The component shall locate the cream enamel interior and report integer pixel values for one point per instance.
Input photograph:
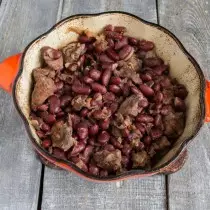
(167, 48)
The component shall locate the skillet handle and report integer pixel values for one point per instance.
(8, 70)
(207, 101)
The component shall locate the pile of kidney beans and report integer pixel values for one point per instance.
(107, 103)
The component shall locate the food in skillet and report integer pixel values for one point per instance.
(107, 103)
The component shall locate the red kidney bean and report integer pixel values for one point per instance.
(146, 45)
(46, 143)
(179, 104)
(125, 132)
(165, 83)
(146, 77)
(103, 137)
(54, 104)
(126, 150)
(84, 112)
(79, 147)
(112, 54)
(109, 28)
(147, 91)
(98, 88)
(133, 41)
(126, 52)
(104, 124)
(114, 89)
(93, 130)
(140, 146)
(87, 153)
(105, 59)
(67, 89)
(82, 130)
(144, 118)
(125, 161)
(158, 120)
(121, 43)
(110, 66)
(180, 91)
(156, 133)
(40, 134)
(59, 153)
(109, 96)
(94, 170)
(126, 89)
(159, 70)
(152, 62)
(109, 147)
(113, 35)
(135, 90)
(75, 120)
(110, 42)
(156, 87)
(115, 80)
(91, 141)
(43, 107)
(48, 118)
(140, 127)
(158, 97)
(106, 77)
(120, 29)
(60, 114)
(59, 85)
(103, 173)
(95, 74)
(84, 39)
(81, 88)
(116, 143)
(147, 140)
(88, 80)
(65, 100)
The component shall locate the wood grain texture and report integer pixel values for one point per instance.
(20, 22)
(190, 21)
(63, 190)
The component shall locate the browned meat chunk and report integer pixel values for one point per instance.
(122, 122)
(44, 88)
(110, 161)
(140, 159)
(130, 106)
(168, 96)
(53, 58)
(40, 72)
(79, 101)
(61, 134)
(174, 124)
(103, 114)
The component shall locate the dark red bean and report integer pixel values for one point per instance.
(179, 104)
(110, 42)
(65, 100)
(109, 27)
(91, 141)
(144, 118)
(95, 74)
(147, 140)
(43, 107)
(114, 89)
(126, 150)
(181, 92)
(112, 54)
(94, 170)
(109, 147)
(116, 143)
(121, 43)
(158, 120)
(48, 118)
(140, 127)
(108, 96)
(82, 130)
(126, 52)
(115, 80)
(59, 85)
(156, 87)
(105, 59)
(125, 161)
(156, 133)
(104, 124)
(125, 132)
(46, 143)
(103, 173)
(85, 39)
(59, 153)
(54, 104)
(135, 90)
(79, 147)
(146, 77)
(93, 130)
(87, 153)
(165, 83)
(81, 88)
(126, 89)
(110, 66)
(67, 89)
(98, 88)
(120, 29)
(113, 35)
(88, 80)
(133, 41)
(158, 97)
(152, 62)
(60, 114)
(40, 134)
(103, 137)
(84, 112)
(75, 120)
(147, 91)
(106, 77)
(146, 45)
(159, 70)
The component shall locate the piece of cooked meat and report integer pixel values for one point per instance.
(140, 159)
(40, 72)
(79, 101)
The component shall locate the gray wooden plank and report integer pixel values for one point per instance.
(20, 22)
(63, 190)
(190, 21)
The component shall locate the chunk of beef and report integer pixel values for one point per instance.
(130, 106)
(61, 134)
(68, 78)
(103, 114)
(79, 101)
(44, 88)
(41, 72)
(101, 44)
(53, 58)
(174, 124)
(121, 121)
(110, 161)
(140, 159)
(168, 96)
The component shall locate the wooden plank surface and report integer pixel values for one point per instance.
(20, 22)
(63, 190)
(190, 22)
